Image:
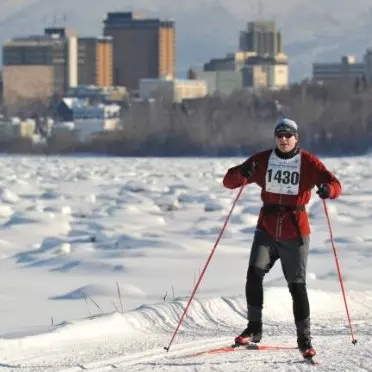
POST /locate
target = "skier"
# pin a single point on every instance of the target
(286, 176)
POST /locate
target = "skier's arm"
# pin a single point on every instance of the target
(240, 175)
(322, 176)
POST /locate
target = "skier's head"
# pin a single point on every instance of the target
(286, 135)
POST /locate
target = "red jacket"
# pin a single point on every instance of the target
(280, 225)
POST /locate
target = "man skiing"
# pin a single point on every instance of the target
(286, 176)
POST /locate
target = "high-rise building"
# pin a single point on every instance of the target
(142, 48)
(260, 61)
(39, 67)
(95, 61)
(261, 37)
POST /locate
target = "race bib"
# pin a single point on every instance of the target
(283, 175)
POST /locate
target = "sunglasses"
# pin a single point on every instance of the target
(281, 134)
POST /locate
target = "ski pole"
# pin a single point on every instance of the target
(204, 268)
(353, 339)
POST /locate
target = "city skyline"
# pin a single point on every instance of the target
(312, 32)
(131, 49)
(135, 47)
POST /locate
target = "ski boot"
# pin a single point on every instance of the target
(253, 333)
(305, 347)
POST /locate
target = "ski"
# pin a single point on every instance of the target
(252, 346)
(232, 348)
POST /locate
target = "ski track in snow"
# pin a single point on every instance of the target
(206, 328)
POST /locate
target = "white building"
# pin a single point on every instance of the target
(86, 120)
(255, 76)
(224, 82)
(277, 76)
(346, 68)
(246, 70)
(173, 89)
(275, 68)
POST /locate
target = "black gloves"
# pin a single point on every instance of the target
(247, 170)
(324, 191)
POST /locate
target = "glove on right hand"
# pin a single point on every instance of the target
(247, 170)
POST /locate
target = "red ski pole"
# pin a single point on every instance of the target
(204, 268)
(353, 339)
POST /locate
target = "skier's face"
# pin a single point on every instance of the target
(285, 141)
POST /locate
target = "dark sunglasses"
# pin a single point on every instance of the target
(281, 134)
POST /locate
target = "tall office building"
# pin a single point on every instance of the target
(261, 37)
(39, 67)
(95, 61)
(142, 48)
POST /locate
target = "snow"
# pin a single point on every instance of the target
(77, 231)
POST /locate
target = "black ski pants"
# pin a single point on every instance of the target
(293, 257)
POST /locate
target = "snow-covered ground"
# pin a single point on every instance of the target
(77, 231)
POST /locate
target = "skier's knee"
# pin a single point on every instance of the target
(255, 274)
(297, 289)
(298, 292)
